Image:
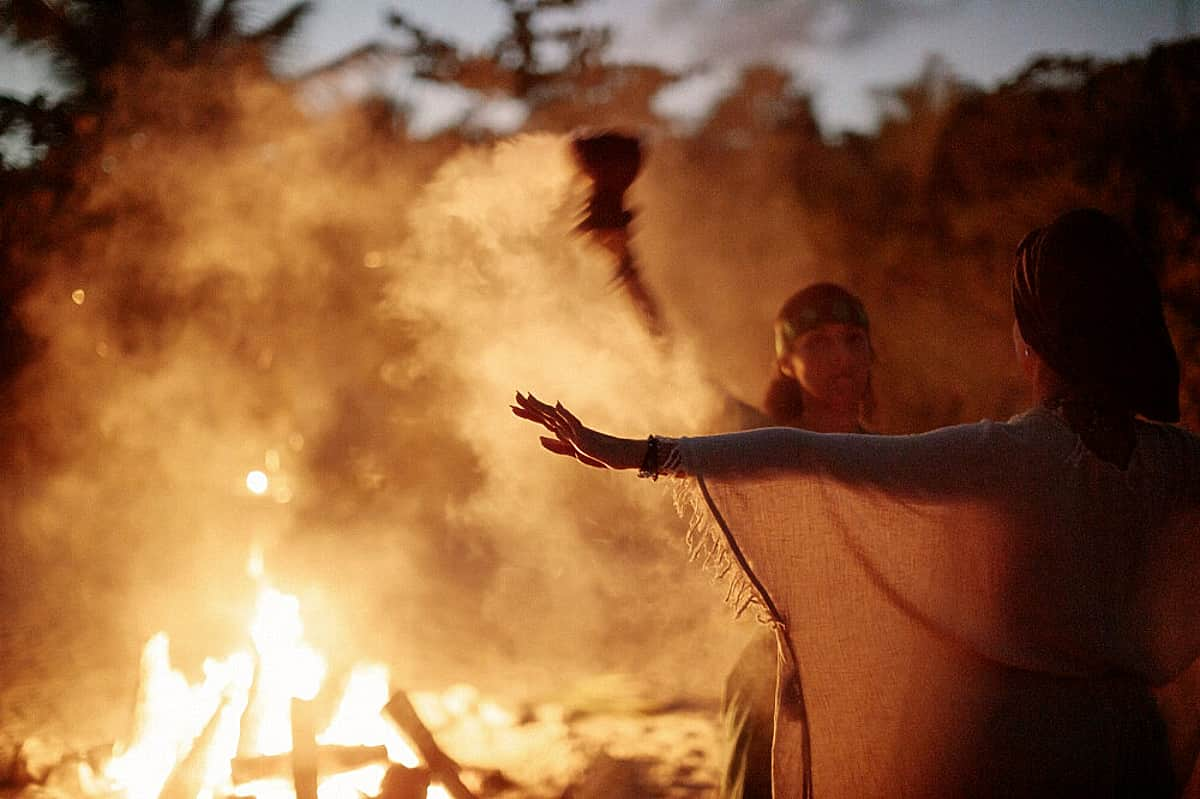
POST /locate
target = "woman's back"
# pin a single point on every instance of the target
(976, 611)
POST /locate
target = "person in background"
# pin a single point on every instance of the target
(981, 610)
(822, 382)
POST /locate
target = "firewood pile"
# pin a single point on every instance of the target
(550, 751)
(272, 723)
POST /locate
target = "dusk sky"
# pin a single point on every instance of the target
(838, 49)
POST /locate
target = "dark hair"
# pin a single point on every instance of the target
(1088, 304)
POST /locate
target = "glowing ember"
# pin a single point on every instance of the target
(257, 482)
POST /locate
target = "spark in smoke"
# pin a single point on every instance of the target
(257, 482)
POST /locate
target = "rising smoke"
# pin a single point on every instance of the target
(334, 308)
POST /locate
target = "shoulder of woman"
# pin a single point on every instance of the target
(1173, 442)
(983, 432)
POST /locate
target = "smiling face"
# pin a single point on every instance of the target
(832, 363)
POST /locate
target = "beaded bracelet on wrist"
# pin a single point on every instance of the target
(649, 467)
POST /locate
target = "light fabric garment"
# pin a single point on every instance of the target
(976, 611)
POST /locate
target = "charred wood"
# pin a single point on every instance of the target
(330, 760)
(442, 767)
(401, 782)
(252, 716)
(304, 749)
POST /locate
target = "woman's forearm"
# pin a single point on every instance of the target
(649, 459)
(622, 453)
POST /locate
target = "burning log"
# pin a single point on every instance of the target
(401, 782)
(304, 749)
(612, 161)
(187, 778)
(330, 760)
(252, 716)
(442, 768)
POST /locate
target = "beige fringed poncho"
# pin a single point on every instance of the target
(976, 611)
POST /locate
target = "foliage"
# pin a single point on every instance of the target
(1063, 133)
(107, 52)
(517, 65)
(928, 207)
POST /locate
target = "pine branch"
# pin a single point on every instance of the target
(284, 26)
(224, 22)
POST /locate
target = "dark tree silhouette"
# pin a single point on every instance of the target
(95, 46)
(89, 40)
(516, 66)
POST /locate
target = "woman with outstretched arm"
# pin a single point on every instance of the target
(981, 610)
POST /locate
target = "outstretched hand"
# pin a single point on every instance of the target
(574, 440)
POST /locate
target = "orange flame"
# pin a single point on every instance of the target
(172, 713)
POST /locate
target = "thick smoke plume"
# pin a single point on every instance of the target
(320, 303)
